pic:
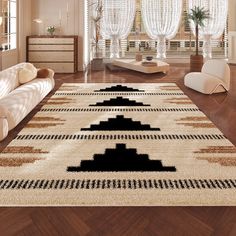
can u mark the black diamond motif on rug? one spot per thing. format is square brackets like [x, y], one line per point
[121, 159]
[120, 123]
[119, 102]
[119, 88]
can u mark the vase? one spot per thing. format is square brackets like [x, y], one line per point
[139, 57]
[97, 64]
[97, 51]
[51, 34]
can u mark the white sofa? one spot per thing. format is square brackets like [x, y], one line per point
[214, 78]
[17, 101]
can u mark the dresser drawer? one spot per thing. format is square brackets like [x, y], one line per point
[59, 53]
[51, 57]
[57, 67]
[51, 41]
[51, 47]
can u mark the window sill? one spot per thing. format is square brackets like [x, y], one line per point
[8, 51]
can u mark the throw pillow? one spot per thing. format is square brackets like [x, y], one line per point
[43, 73]
[27, 73]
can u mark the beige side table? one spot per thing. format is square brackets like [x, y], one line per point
[132, 64]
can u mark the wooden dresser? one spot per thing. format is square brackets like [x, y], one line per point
[59, 53]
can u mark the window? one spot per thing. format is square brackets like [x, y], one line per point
[182, 45]
[9, 32]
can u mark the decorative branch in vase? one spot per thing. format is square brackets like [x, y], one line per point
[97, 7]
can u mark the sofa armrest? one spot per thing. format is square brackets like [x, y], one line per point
[3, 112]
[51, 73]
[3, 128]
[51, 76]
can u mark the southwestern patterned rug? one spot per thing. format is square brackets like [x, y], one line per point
[118, 145]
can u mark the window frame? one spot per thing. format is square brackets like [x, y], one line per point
[10, 25]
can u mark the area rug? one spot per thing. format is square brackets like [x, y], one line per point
[119, 145]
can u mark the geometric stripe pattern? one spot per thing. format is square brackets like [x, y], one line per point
[119, 110]
[117, 94]
[122, 137]
[132, 184]
[203, 158]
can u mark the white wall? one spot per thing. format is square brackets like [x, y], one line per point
[232, 15]
[232, 31]
[0, 37]
[9, 58]
[24, 27]
[49, 11]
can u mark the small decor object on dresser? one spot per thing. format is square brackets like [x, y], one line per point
[51, 30]
[59, 53]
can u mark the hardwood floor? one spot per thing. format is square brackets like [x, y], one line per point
[221, 109]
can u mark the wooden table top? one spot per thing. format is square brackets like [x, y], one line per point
[132, 64]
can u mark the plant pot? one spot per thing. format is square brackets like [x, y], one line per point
[196, 63]
[138, 57]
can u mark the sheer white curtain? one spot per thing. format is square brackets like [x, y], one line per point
[215, 26]
[161, 20]
[117, 21]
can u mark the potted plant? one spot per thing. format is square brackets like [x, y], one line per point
[51, 30]
[197, 15]
[97, 62]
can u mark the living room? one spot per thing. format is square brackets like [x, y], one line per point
[117, 117]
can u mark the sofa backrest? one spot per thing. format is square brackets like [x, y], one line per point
[9, 79]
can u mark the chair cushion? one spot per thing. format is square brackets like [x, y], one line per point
[214, 67]
[203, 83]
[218, 68]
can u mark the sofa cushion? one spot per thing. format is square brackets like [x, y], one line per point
[16, 105]
[27, 73]
[9, 80]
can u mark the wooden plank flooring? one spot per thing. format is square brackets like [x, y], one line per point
[221, 109]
